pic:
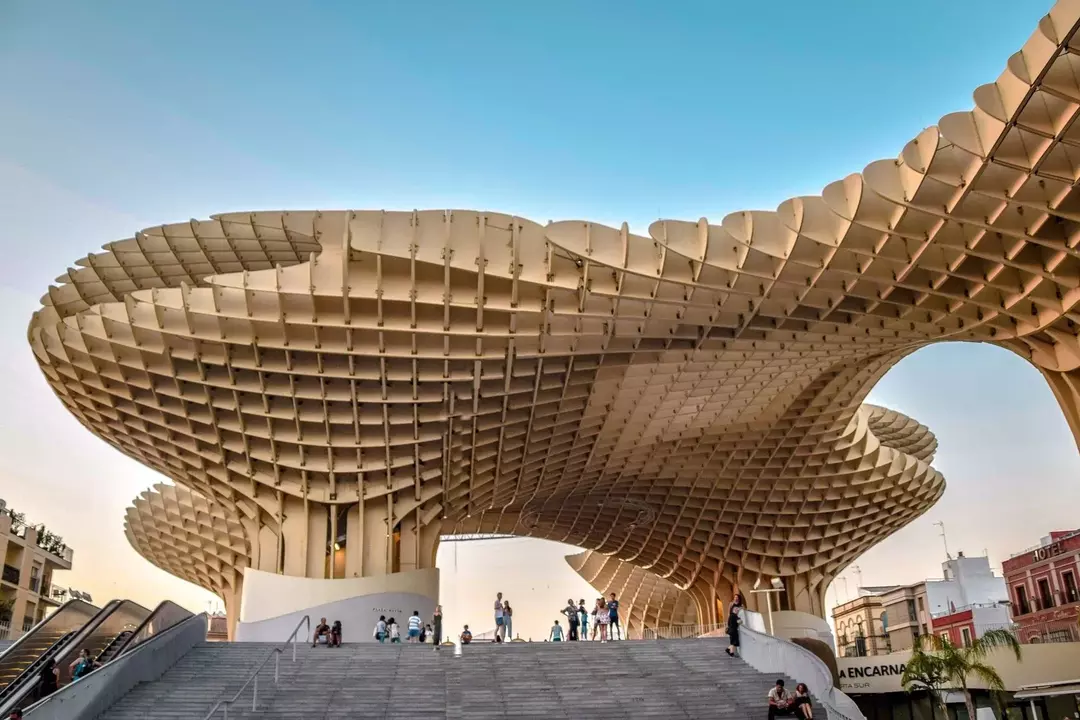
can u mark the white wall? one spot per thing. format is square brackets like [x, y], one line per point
[272, 605]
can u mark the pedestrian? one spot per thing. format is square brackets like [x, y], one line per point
[466, 636]
[82, 665]
[613, 618]
[415, 623]
[508, 621]
[583, 614]
[601, 619]
[498, 616]
[733, 630]
[436, 621]
[395, 631]
[570, 611]
[380, 633]
[50, 676]
[556, 632]
[425, 634]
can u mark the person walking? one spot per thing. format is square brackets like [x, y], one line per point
[508, 621]
[613, 618]
[584, 615]
[436, 622]
[733, 630]
[380, 633]
[415, 625]
[570, 611]
[395, 631]
[50, 675]
[498, 616]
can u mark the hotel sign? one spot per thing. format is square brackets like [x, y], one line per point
[1047, 552]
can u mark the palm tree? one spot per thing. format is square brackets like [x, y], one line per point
[924, 673]
[936, 657]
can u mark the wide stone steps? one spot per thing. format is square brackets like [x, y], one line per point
[521, 681]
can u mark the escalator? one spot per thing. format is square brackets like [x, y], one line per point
[105, 632]
[43, 637]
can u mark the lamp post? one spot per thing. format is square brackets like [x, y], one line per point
[777, 587]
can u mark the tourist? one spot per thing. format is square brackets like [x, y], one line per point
[380, 629]
[613, 618]
[802, 703]
[394, 630]
[779, 700]
[436, 621]
[556, 632]
[415, 623]
[498, 616]
[584, 615]
[335, 634]
[733, 631]
[322, 630]
[508, 622]
[466, 636]
[48, 679]
[601, 619]
[425, 634]
[570, 611]
[83, 665]
[737, 600]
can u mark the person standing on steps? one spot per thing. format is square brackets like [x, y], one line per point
[508, 621]
[601, 619]
[733, 630]
[395, 631]
[556, 632]
[584, 614]
[570, 611]
[436, 622]
[613, 616]
[499, 617]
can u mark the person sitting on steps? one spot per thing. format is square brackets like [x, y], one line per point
[466, 636]
[779, 701]
[802, 703]
[322, 630]
[335, 634]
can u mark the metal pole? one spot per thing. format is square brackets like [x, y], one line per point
[294, 645]
[225, 707]
[768, 604]
[254, 693]
[277, 666]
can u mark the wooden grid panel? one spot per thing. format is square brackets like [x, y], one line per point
[646, 601]
[688, 401]
[184, 534]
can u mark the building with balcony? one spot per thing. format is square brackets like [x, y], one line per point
[963, 604]
[1043, 582]
[31, 555]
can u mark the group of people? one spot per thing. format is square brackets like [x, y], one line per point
[504, 620]
[417, 631]
[329, 635]
[781, 702]
[605, 621]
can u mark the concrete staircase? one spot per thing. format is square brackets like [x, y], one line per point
[635, 679]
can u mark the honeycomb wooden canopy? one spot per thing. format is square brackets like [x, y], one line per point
[688, 400]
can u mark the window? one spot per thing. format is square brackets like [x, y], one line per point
[919, 600]
[1022, 607]
[34, 579]
[965, 635]
[1060, 636]
[945, 637]
[1069, 581]
[1046, 598]
[911, 611]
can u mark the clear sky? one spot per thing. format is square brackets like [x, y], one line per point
[119, 115]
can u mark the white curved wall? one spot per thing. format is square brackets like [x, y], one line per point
[272, 605]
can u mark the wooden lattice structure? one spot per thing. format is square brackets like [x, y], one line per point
[687, 400]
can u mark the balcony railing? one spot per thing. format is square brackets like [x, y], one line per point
[11, 574]
[5, 631]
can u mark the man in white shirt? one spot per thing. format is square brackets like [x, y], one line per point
[556, 632]
[779, 700]
[415, 623]
[500, 629]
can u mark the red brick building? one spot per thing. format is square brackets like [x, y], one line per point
[1043, 585]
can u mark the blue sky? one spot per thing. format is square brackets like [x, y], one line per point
[117, 115]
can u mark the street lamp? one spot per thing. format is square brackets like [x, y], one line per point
[777, 587]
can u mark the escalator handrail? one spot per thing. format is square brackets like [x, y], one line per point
[29, 634]
[90, 627]
[131, 643]
[34, 668]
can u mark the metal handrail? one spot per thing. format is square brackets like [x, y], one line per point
[254, 677]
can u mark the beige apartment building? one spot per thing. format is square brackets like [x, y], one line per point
[31, 554]
[860, 627]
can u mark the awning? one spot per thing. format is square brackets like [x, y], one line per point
[1070, 687]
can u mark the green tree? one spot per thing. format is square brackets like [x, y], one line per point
[924, 672]
[956, 664]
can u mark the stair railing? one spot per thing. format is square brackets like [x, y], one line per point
[253, 679]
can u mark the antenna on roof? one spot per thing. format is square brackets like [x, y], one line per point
[944, 540]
